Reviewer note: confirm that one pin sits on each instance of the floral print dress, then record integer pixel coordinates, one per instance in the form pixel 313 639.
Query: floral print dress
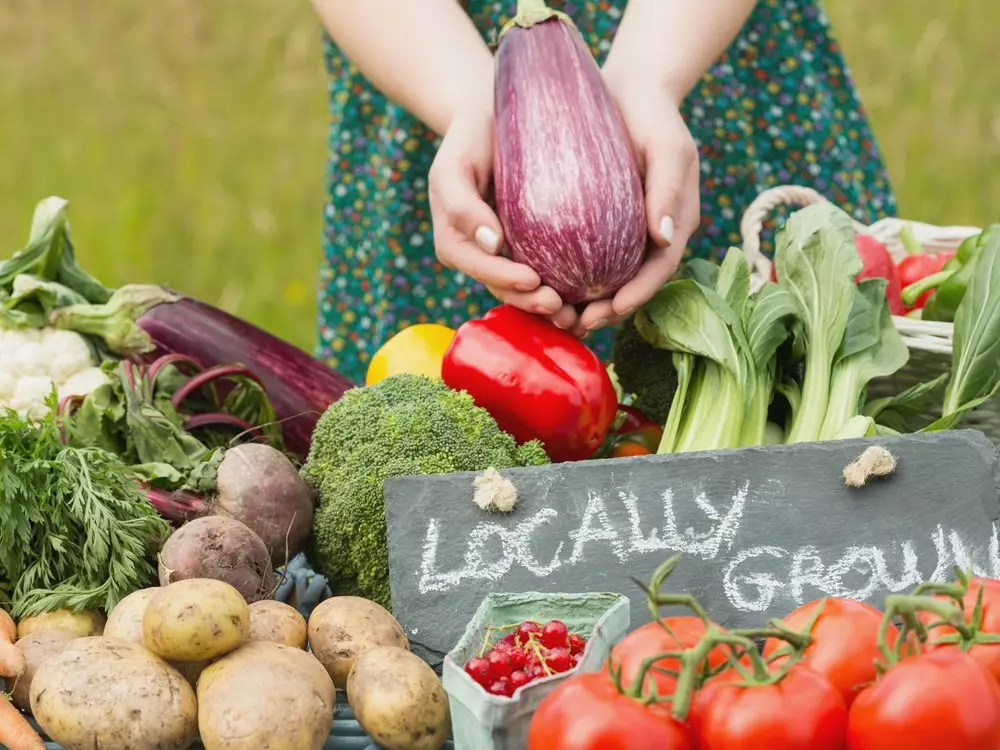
pixel 778 107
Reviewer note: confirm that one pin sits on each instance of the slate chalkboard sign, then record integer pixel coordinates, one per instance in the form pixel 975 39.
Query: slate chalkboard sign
pixel 763 530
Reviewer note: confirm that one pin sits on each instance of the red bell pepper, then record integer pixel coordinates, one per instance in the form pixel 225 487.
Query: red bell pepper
pixel 913 268
pixel 876 262
pixel 538 381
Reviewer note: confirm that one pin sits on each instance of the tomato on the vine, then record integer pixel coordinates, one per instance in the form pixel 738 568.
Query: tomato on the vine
pixel 987 654
pixel 844 642
pixel 588 712
pixel 936 700
pixel 800 711
pixel 654 638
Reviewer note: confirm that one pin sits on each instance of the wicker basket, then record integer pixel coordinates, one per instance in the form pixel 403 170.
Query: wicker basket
pixel 930 342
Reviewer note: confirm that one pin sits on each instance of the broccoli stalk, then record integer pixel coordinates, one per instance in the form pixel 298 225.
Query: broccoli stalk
pixel 403 425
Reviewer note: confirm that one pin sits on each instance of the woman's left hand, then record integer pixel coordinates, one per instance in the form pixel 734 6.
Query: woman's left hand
pixel 668 160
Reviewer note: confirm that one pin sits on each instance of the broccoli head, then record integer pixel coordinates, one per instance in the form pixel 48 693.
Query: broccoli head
pixel 644 371
pixel 403 425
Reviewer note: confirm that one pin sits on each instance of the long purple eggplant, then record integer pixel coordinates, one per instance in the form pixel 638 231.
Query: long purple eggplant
pixel 568 189
pixel 144 322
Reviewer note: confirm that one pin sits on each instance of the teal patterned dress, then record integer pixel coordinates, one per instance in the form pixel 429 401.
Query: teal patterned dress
pixel 778 107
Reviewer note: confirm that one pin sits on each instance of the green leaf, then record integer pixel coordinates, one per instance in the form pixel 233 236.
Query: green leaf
pixel 976 340
pixel 864 323
pixel 733 282
pixel 904 412
pixel 705 272
pixel 767 328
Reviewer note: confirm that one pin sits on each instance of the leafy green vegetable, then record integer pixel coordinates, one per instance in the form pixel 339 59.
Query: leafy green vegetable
pixel 817 263
pixel 75 530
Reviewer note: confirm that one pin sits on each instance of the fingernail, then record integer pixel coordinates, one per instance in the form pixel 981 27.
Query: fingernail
pixel 598 324
pixel 543 309
pixel 487 239
pixel 558 324
pixel 667 228
pixel 522 287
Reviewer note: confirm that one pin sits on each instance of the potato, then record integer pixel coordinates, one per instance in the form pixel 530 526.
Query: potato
pixel 125 620
pixel 344 627
pixel 265 695
pixel 195 620
pixel 37 647
pixel 277 622
pixel 81 624
pixel 105 692
pixel 398 700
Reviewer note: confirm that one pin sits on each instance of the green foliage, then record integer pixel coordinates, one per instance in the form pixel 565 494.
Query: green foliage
pixel 75 530
pixel 404 425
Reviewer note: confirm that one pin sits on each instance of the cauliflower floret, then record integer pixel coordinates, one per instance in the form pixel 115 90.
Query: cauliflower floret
pixel 29 396
pixel 83 382
pixel 67 353
pixel 7 385
pixel 25 359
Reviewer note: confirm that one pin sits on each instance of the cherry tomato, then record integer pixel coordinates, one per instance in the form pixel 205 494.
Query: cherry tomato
pixel 802 711
pixel 651 639
pixel 987 654
pixel 586 712
pixel 634 420
pixel 844 642
pixel 939 699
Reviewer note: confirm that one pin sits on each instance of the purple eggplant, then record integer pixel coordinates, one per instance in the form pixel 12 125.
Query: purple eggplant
pixel 144 322
pixel 568 189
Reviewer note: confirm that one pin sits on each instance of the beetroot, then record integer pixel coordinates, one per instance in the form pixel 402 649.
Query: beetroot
pixel 258 486
pixel 219 548
pixel 568 189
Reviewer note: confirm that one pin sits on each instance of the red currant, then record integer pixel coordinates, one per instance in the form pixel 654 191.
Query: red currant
pixel 500 687
pixel 499 663
pixel 558 660
pixel 525 632
pixel 537 671
pixel 554 634
pixel 507 643
pixel 574 659
pixel 576 644
pixel 517 658
pixel 479 670
pixel 518 679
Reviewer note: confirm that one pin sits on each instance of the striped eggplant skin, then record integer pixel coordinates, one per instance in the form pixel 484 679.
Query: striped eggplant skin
pixel 568 190
pixel 299 386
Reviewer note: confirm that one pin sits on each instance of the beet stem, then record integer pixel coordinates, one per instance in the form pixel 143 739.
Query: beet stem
pixel 210 376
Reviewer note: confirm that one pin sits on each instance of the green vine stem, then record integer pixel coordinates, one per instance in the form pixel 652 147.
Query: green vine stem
pixel 694 667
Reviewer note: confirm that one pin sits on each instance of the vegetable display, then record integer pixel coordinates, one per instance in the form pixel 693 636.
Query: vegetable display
pixel 567 186
pixel 538 381
pixel 416 350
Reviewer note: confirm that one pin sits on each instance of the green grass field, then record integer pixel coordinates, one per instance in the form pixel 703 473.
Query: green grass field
pixel 189 135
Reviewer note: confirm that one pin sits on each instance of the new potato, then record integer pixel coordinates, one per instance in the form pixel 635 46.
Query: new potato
pixel 277 622
pixel 344 627
pixel 195 620
pixel 81 624
pixel 102 693
pixel 36 647
pixel 265 695
pixel 398 700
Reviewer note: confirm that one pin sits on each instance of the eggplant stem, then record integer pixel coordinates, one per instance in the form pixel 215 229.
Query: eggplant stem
pixel 210 376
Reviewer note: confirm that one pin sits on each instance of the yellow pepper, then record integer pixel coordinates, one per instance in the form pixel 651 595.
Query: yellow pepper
pixel 417 350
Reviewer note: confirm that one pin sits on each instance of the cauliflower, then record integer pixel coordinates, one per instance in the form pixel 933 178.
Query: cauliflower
pixel 32 361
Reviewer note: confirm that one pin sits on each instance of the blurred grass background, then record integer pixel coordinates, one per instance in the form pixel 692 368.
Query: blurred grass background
pixel 189 135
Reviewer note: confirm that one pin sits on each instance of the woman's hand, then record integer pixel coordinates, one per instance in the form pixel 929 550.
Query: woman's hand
pixel 668 160
pixel 467 233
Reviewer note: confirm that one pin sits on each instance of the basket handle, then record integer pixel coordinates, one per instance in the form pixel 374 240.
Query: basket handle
pixel 757 213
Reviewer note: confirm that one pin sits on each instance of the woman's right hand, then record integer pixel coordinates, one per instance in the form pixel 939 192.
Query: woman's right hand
pixel 467 233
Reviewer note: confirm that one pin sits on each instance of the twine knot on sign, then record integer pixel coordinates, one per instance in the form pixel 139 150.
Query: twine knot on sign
pixel 493 491
pixel 876 461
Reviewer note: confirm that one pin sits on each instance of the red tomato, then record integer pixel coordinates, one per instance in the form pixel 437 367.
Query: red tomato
pixel 801 712
pixel 844 642
pixel 940 699
pixel 987 654
pixel 587 712
pixel 652 639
